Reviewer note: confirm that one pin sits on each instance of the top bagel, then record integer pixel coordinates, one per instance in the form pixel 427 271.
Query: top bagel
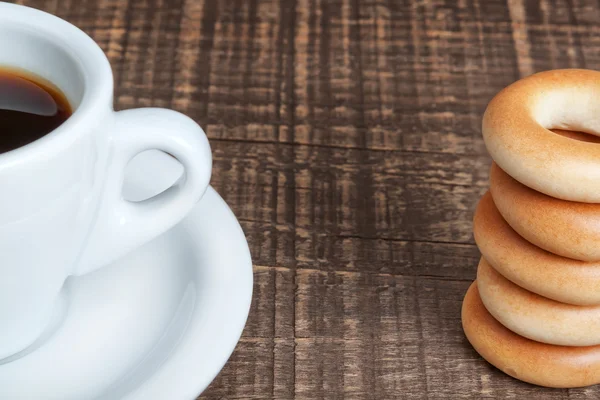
pixel 516 131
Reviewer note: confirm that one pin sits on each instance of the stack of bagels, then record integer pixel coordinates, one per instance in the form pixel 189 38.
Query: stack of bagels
pixel 534 310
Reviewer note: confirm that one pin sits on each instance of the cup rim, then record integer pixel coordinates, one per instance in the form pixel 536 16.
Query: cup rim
pixel 96 72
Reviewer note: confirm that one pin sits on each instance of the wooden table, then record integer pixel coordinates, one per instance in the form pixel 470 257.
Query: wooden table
pixel 346 138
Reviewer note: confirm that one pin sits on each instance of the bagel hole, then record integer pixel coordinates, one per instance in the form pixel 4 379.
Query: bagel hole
pixel 581 136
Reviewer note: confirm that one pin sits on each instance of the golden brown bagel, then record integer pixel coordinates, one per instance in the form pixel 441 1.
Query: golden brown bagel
pixel 516 132
pixel 558 278
pixel 524 359
pixel 535 317
pixel 566 228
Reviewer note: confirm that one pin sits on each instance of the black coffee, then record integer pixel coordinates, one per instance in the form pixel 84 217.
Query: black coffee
pixel 30 108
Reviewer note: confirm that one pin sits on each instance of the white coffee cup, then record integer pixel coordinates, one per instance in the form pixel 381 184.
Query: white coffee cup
pixel 61 208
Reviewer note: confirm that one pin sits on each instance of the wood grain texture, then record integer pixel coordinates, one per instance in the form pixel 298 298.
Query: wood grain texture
pixel 346 138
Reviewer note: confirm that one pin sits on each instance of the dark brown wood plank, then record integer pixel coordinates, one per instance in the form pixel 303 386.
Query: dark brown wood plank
pixel 353 192
pixel 363 335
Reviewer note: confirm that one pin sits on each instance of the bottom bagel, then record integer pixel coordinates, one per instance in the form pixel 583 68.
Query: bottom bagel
pixel 524 359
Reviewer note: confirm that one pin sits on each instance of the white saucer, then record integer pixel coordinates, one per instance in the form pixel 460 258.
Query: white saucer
pixel 158 324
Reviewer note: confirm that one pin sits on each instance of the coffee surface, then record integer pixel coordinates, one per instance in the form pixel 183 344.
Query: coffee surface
pixel 30 108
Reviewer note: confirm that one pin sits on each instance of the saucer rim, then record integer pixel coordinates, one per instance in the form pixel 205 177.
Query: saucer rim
pixel 184 388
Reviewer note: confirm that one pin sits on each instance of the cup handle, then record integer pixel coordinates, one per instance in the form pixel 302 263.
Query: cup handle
pixel 122 225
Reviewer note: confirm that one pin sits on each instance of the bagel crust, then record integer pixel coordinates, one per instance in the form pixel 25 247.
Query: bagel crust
pixel 516 130
pixel 566 228
pixel 535 317
pixel 537 270
pixel 522 358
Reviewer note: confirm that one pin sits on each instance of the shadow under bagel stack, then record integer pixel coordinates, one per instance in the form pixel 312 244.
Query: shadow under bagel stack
pixel 534 310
